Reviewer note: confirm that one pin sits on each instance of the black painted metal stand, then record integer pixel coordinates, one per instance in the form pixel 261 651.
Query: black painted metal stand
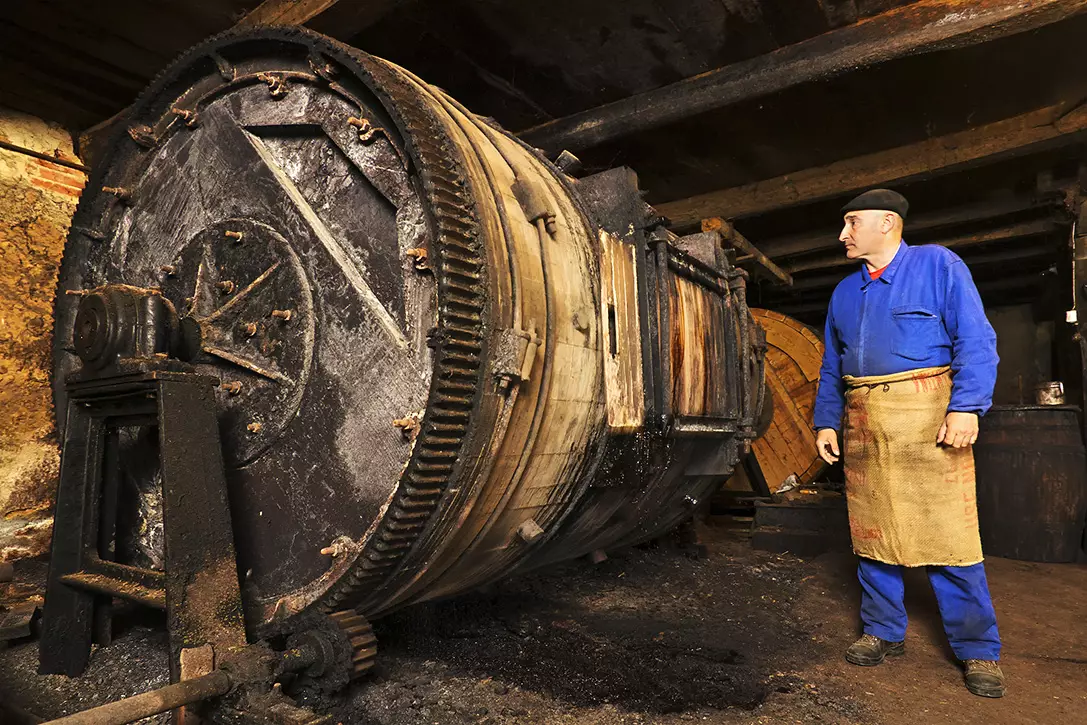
pixel 199 588
pixel 136 371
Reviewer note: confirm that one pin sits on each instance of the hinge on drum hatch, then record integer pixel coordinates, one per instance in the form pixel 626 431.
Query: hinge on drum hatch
pixel 515 351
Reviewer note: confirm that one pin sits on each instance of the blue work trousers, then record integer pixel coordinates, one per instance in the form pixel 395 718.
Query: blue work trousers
pixel 962 594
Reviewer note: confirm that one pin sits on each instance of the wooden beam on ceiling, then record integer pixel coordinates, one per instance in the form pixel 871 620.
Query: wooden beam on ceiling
pixel 778 247
pixel 825 281
pixel 921 27
pixel 1038 130
pixel 341 19
pixel 284 12
pixel 1025 282
pixel 734 240
pixel 1002 234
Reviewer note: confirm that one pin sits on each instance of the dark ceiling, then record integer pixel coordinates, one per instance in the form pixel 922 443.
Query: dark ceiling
pixel 524 63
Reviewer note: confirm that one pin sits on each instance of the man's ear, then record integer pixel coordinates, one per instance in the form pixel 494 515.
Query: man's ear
pixel 887 223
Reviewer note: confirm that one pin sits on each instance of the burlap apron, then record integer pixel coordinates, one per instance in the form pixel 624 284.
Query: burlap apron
pixel 911 501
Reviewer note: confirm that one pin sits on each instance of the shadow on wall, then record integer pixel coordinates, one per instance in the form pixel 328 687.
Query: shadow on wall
pixel 37 200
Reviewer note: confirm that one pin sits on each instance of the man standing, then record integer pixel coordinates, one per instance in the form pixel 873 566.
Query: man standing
pixel 911 362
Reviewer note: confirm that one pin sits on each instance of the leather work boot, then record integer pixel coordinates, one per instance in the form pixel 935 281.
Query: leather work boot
pixel 984 678
pixel 870 650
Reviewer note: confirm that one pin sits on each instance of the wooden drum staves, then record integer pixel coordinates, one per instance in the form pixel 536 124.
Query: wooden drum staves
pixel 793 356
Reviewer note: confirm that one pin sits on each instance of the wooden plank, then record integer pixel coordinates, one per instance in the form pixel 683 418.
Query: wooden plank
pixel 921 27
pixel 341 19
pixel 285 12
pixel 1012 231
pixel 784 246
pixel 1041 129
pixel 623 387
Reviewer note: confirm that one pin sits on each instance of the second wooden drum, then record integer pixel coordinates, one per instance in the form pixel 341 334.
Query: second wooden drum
pixel 793 356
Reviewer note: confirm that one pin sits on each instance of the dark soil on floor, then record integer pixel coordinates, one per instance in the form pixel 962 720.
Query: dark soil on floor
pixel 650 635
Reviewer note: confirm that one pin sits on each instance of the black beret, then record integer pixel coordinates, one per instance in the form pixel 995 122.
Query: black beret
pixel 882 199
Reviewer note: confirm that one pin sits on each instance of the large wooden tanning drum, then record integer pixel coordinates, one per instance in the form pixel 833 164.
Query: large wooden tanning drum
pixel 442 359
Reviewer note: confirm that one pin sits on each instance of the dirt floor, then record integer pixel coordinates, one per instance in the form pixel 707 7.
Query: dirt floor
pixel 654 636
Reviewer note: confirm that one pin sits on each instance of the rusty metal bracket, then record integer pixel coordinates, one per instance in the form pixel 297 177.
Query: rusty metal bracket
pixel 534 203
pixel 515 351
pixel 143 135
pixel 367 131
pixel 277 84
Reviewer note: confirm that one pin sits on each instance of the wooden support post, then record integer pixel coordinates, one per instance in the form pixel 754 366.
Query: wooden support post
pixel 734 240
pixel 1038 130
pixel 919 27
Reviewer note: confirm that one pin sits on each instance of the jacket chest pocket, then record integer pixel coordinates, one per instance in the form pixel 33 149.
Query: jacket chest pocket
pixel 915 331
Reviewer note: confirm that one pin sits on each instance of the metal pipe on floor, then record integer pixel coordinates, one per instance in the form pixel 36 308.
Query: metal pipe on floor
pixel 151 703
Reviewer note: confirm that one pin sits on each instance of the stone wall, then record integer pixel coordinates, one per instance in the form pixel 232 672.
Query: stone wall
pixel 37 200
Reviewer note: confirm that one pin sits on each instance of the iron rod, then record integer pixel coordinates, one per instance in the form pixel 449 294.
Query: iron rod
pixel 151 703
pixel 45 157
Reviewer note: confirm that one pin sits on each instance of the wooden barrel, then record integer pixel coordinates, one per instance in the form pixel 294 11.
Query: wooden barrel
pixel 793 356
pixel 1031 482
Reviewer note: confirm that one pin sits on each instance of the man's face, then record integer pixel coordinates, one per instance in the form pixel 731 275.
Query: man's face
pixel 863 233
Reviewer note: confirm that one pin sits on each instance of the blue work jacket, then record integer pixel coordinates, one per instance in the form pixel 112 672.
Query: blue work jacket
pixel 923 311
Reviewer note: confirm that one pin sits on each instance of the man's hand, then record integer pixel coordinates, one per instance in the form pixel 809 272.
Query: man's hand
pixel 959 430
pixel 826 442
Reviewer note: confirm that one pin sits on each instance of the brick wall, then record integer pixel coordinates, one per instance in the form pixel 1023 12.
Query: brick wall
pixel 37 200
